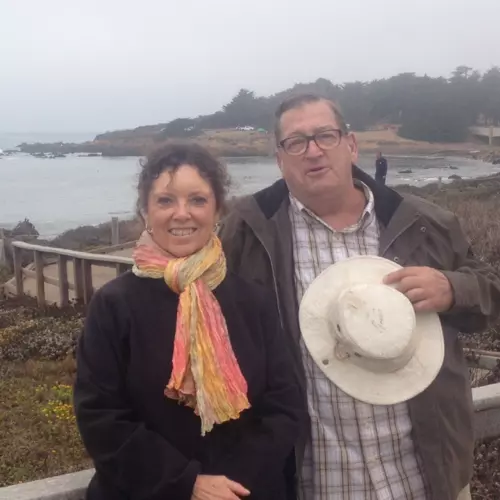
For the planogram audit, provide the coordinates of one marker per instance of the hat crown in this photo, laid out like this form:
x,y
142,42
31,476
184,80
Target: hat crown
x,y
374,327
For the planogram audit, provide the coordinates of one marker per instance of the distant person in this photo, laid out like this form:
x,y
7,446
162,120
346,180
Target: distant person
x,y
324,210
380,168
185,388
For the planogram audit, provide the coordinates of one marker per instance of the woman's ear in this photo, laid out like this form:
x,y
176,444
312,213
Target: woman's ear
x,y
216,222
144,216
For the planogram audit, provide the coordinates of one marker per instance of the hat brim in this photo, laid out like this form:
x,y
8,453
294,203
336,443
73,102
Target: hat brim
x,y
360,383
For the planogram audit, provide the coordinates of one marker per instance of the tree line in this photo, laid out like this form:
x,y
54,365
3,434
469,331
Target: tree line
x,y
434,109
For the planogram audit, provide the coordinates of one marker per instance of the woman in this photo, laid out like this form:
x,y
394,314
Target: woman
x,y
184,388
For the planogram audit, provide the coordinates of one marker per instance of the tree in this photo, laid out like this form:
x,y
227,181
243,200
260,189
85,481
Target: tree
x,y
180,127
244,109
431,109
355,103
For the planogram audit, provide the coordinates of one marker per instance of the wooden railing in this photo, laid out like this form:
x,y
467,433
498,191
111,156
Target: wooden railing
x,y
82,268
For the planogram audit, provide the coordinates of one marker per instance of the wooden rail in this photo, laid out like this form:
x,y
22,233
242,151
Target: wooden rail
x,y
82,268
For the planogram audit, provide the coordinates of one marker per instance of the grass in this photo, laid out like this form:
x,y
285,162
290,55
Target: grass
x,y
38,436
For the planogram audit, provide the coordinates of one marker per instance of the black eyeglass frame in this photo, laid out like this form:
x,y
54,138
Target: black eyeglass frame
x,y
310,138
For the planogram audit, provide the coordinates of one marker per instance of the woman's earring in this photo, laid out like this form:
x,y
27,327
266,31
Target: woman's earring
x,y
216,227
149,230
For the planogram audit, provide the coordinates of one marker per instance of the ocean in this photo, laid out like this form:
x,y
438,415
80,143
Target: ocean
x,y
64,193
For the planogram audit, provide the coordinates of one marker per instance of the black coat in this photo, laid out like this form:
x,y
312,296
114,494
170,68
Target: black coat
x,y
148,447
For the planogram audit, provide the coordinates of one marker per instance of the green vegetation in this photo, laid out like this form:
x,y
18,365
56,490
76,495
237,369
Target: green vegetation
x,y
38,435
428,109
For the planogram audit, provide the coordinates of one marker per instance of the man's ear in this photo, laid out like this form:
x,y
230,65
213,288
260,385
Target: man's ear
x,y
278,160
353,146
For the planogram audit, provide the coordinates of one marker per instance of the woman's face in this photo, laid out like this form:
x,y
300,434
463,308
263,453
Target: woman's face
x,y
181,211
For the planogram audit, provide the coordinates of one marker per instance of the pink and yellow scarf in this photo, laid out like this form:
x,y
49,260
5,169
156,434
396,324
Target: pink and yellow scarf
x,y
205,373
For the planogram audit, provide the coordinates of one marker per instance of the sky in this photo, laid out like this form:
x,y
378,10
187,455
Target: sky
x,y
99,65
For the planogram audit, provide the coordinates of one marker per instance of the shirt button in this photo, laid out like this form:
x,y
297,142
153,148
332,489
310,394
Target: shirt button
x,y
423,229
396,259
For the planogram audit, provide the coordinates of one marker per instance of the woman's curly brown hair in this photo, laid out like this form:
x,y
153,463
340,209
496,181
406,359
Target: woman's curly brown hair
x,y
170,158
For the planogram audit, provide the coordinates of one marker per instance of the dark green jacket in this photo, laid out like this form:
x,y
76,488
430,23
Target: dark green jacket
x,y
257,239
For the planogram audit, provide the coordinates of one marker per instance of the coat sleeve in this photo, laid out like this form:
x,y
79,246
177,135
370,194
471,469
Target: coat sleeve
x,y
475,284
132,458
261,455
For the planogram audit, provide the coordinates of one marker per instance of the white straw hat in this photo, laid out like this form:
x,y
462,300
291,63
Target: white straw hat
x,y
366,337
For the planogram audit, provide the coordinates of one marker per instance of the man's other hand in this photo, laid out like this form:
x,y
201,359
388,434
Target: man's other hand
x,y
428,289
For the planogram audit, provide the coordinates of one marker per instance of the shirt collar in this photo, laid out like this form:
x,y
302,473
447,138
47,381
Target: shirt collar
x,y
366,215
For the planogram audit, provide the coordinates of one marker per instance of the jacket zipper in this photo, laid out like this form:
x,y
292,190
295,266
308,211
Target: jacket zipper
x,y
274,279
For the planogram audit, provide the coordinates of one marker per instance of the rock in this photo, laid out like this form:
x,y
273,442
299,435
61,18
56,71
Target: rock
x,y
406,171
455,177
25,228
492,157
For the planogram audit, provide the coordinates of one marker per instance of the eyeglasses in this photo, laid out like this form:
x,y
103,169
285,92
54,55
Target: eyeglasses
x,y
299,144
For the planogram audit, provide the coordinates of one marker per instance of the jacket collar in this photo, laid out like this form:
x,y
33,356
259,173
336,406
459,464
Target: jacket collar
x,y
387,200
266,213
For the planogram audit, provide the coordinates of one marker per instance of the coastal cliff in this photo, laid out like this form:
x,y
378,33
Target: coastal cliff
x,y
138,142
239,143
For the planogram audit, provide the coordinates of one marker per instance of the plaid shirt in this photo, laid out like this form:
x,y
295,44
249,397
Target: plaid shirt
x,y
357,451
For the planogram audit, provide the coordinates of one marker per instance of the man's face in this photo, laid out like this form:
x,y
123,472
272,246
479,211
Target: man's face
x,y
316,171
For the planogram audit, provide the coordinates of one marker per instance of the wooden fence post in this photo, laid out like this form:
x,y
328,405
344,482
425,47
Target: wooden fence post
x,y
40,282
115,231
78,279
62,270
121,268
87,281
18,270
3,249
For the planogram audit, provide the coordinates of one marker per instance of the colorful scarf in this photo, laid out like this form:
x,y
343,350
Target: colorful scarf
x,y
205,373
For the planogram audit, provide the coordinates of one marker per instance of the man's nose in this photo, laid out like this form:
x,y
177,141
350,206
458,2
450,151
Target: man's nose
x,y
313,151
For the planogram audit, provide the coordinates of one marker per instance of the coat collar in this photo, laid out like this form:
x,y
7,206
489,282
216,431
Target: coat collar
x,y
266,213
387,200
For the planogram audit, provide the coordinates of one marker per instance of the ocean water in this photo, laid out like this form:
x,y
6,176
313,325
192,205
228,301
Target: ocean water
x,y
64,193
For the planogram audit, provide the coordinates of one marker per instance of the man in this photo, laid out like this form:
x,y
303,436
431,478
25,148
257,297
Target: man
x,y
324,210
380,168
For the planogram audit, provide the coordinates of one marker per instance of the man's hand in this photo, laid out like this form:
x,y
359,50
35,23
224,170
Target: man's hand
x,y
428,289
217,488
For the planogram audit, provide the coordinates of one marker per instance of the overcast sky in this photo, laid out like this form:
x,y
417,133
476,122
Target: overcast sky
x,y
97,65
